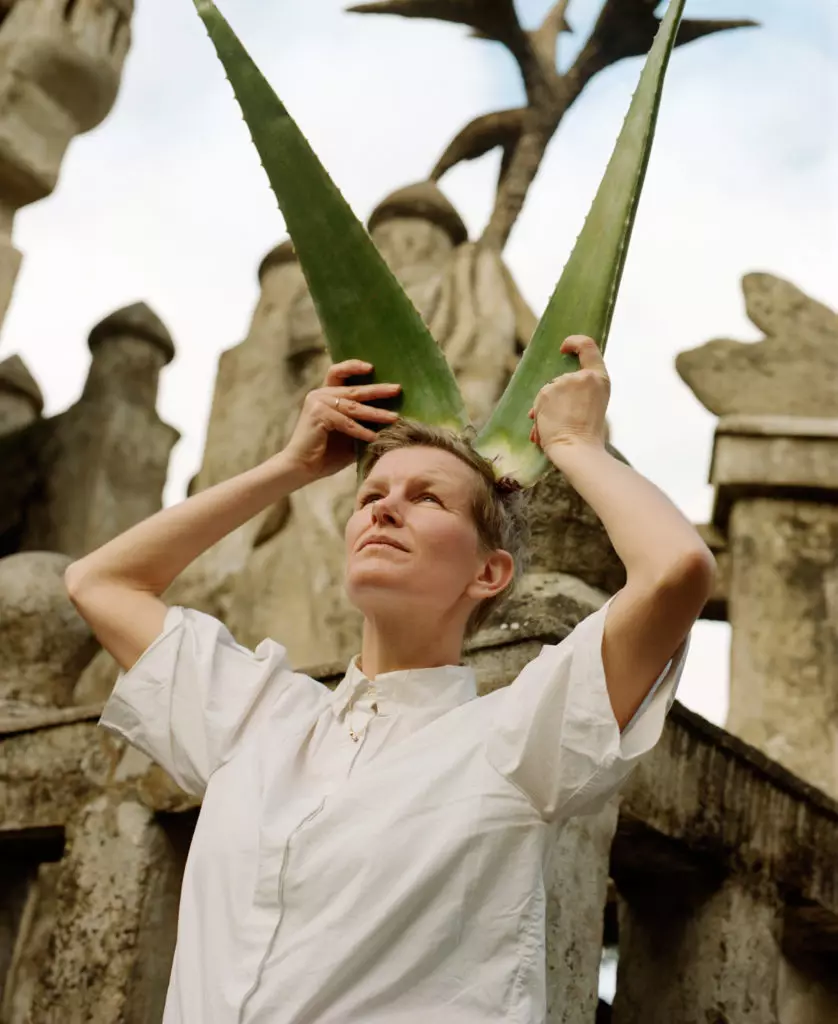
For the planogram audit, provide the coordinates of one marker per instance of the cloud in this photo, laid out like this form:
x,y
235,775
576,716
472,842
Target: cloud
x,y
166,202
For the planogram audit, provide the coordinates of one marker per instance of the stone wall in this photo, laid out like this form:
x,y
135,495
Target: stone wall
x,y
726,872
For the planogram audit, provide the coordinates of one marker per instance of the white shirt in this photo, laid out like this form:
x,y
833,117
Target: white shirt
x,y
376,853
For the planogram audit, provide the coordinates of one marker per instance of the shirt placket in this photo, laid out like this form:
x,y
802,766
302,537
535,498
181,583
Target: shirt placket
x,y
360,714
267,910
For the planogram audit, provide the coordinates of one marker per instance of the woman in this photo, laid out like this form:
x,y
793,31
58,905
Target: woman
x,y
376,853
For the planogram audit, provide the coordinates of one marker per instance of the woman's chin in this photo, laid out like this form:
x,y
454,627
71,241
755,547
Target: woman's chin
x,y
364,579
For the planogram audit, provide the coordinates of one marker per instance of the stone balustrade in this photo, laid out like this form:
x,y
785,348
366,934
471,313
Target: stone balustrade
x,y
724,871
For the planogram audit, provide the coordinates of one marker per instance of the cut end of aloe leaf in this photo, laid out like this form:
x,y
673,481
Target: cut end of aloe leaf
x,y
524,466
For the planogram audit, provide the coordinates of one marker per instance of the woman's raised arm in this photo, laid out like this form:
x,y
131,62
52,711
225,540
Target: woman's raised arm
x,y
117,588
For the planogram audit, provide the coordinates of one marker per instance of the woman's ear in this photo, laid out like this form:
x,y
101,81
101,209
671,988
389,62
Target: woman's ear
x,y
494,577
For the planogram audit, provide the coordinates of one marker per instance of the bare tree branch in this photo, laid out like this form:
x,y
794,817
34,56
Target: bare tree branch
x,y
696,28
492,18
624,28
479,136
545,38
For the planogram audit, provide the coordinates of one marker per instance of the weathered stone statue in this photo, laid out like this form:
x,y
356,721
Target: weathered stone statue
x,y
44,643
21,401
60,68
775,470
80,478
479,319
725,864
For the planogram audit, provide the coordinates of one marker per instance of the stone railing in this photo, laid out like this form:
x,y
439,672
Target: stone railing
x,y
722,899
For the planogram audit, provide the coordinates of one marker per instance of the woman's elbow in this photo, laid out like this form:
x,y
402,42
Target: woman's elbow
x,y
78,583
694,574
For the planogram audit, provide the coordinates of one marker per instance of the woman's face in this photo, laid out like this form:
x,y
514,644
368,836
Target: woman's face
x,y
412,542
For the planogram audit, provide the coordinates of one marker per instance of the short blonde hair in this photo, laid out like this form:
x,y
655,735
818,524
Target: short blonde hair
x,y
499,510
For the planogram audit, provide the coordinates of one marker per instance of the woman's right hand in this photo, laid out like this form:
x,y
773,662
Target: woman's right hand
x,y
322,441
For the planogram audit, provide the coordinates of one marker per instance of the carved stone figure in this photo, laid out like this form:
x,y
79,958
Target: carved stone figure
x,y
80,478
60,68
44,643
792,371
21,401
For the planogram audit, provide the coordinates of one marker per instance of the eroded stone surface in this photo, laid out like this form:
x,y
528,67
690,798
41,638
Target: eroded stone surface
x,y
783,609
21,400
44,642
793,371
100,467
714,957
101,890
701,802
577,886
60,69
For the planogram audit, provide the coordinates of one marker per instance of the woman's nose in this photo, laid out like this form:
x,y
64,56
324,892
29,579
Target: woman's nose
x,y
384,512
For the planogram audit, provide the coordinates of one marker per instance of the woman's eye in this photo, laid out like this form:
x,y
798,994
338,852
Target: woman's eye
x,y
431,497
367,498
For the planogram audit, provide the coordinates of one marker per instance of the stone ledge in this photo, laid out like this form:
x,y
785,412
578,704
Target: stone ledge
x,y
773,456
34,719
701,802
704,801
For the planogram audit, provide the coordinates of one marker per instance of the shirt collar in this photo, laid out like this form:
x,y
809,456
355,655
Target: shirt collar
x,y
442,689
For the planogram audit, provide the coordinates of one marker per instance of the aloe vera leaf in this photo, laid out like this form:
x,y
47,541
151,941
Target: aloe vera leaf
x,y
363,309
584,299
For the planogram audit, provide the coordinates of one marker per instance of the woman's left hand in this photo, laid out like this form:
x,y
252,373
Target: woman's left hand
x,y
571,409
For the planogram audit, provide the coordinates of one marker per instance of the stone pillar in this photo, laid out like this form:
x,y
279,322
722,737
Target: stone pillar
x,y
546,606
776,481
92,951
103,463
577,890
253,387
21,402
254,408
16,883
699,957
808,991
775,473
10,258
60,69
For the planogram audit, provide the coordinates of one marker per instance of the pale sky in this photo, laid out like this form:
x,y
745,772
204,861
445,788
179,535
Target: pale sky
x,y
166,202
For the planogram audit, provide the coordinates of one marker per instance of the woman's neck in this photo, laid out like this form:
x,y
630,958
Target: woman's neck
x,y
389,646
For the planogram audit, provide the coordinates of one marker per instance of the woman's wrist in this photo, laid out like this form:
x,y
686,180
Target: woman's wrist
x,y
283,473
568,455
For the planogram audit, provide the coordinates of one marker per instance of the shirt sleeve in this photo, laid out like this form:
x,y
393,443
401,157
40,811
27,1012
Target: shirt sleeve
x,y
555,736
193,695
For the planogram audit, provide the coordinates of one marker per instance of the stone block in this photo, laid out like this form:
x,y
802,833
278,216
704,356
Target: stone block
x,y
773,456
44,642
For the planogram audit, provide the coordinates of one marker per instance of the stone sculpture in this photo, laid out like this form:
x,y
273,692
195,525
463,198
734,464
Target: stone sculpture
x,y
775,471
722,864
60,68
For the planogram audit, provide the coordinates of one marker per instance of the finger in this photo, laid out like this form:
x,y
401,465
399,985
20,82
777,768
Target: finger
x,y
346,425
363,392
590,357
360,411
339,372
